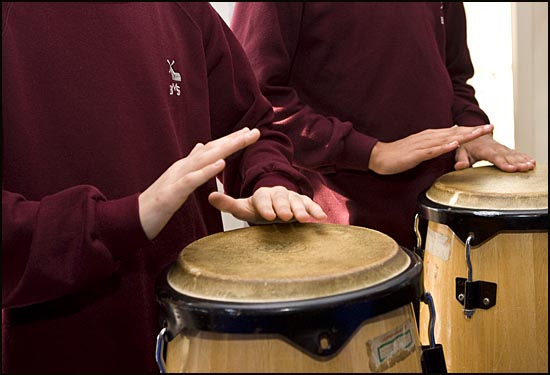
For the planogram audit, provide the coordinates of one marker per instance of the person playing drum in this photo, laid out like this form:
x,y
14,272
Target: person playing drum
x,y
117,117
369,93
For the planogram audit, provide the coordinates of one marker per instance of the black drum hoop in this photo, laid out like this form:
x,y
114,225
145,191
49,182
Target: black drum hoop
x,y
302,323
481,224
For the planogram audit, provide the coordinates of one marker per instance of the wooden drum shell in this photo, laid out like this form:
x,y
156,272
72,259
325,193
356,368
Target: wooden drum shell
x,y
258,353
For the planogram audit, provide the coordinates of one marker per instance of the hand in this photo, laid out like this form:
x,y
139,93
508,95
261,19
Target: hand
x,y
268,205
407,153
486,148
165,196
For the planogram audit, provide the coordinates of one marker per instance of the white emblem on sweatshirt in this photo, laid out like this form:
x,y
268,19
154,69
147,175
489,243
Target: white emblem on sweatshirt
x,y
174,87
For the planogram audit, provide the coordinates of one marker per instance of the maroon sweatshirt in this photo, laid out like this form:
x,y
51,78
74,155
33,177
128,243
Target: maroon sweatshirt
x,y
98,100
342,76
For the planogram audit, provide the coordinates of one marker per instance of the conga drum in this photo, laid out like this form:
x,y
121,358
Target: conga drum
x,y
291,298
486,265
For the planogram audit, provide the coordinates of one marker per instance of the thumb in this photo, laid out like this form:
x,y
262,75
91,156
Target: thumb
x,y
462,161
221,201
239,208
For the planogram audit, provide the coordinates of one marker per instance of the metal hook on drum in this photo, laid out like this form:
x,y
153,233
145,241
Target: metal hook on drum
x,y
433,358
468,312
420,230
474,294
159,352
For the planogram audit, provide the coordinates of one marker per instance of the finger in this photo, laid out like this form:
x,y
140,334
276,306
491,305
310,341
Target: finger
x,y
462,134
263,204
512,163
525,165
195,149
232,137
187,183
462,160
435,142
298,207
467,133
315,210
281,203
520,160
221,140
304,209
223,148
501,156
432,151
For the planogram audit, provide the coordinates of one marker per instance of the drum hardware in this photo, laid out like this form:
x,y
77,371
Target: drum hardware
x,y
474,294
321,344
159,352
478,294
433,358
487,223
319,330
420,229
471,294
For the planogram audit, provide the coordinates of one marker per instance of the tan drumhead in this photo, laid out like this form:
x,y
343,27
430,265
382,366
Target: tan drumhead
x,y
488,187
286,262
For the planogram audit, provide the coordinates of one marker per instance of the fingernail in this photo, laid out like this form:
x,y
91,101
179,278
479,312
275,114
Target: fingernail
x,y
252,133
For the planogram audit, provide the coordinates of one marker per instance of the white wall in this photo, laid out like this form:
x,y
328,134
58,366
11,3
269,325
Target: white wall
x,y
225,9
230,222
490,45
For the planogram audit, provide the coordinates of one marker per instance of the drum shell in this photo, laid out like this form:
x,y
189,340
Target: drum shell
x,y
203,351
511,336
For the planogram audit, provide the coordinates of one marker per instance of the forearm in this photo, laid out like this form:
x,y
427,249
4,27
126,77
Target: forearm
x,y
63,243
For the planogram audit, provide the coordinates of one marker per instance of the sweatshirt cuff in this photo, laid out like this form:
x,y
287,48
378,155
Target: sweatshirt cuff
x,y
471,119
119,226
276,179
356,151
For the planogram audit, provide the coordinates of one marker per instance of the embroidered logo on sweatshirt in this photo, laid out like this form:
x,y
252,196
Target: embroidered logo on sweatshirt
x,y
174,87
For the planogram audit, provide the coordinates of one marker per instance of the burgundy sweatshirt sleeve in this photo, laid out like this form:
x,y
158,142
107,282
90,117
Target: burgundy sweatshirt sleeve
x,y
236,102
64,243
269,33
466,110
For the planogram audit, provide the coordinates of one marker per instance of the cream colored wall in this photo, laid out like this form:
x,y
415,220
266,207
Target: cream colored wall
x,y
490,45
530,62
